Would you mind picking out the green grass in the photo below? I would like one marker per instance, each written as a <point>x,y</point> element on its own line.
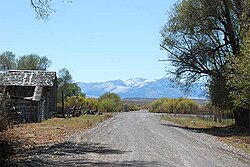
<point>194,122</point>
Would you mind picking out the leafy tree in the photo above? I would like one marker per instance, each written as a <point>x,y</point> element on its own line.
<point>187,106</point>
<point>239,80</point>
<point>157,106</point>
<point>114,96</point>
<point>200,37</point>
<point>7,61</point>
<point>176,106</point>
<point>72,89</point>
<point>44,63</point>
<point>66,84</point>
<point>110,102</point>
<point>33,62</point>
<point>64,76</point>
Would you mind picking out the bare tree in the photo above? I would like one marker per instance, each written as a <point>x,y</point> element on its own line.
<point>43,8</point>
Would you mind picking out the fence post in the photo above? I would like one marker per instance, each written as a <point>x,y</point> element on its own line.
<point>63,111</point>
<point>219,114</point>
<point>228,117</point>
<point>215,114</point>
<point>222,115</point>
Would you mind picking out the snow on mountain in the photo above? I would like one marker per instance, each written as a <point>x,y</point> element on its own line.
<point>98,88</point>
<point>132,82</point>
<point>141,88</point>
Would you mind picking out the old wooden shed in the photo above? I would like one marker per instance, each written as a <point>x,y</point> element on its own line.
<point>33,93</point>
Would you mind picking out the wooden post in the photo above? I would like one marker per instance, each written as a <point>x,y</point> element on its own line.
<point>219,112</point>
<point>63,104</point>
<point>249,121</point>
<point>215,114</point>
<point>227,116</point>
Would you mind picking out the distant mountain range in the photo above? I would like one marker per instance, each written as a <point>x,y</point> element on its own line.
<point>142,88</point>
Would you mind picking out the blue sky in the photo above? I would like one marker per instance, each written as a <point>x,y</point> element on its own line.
<point>97,40</point>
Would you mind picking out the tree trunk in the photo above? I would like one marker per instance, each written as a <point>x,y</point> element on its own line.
<point>242,117</point>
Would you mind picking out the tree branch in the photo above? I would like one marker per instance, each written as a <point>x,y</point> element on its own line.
<point>42,8</point>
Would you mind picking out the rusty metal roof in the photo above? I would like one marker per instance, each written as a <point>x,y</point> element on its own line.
<point>27,78</point>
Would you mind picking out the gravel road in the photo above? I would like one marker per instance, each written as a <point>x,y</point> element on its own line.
<point>137,139</point>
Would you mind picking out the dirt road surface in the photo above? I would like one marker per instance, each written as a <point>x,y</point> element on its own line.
<point>137,139</point>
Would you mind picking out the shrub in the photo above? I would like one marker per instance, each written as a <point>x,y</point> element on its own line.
<point>108,105</point>
<point>176,106</point>
<point>110,102</point>
<point>90,104</point>
<point>77,101</point>
<point>133,108</point>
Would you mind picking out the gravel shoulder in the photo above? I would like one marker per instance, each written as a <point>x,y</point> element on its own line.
<point>137,139</point>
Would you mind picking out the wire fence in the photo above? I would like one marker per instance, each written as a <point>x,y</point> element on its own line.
<point>216,115</point>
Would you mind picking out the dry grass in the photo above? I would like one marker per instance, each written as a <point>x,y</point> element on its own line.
<point>52,131</point>
<point>193,122</point>
<point>231,134</point>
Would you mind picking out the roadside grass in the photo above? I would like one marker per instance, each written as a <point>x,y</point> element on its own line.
<point>229,133</point>
<point>26,136</point>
